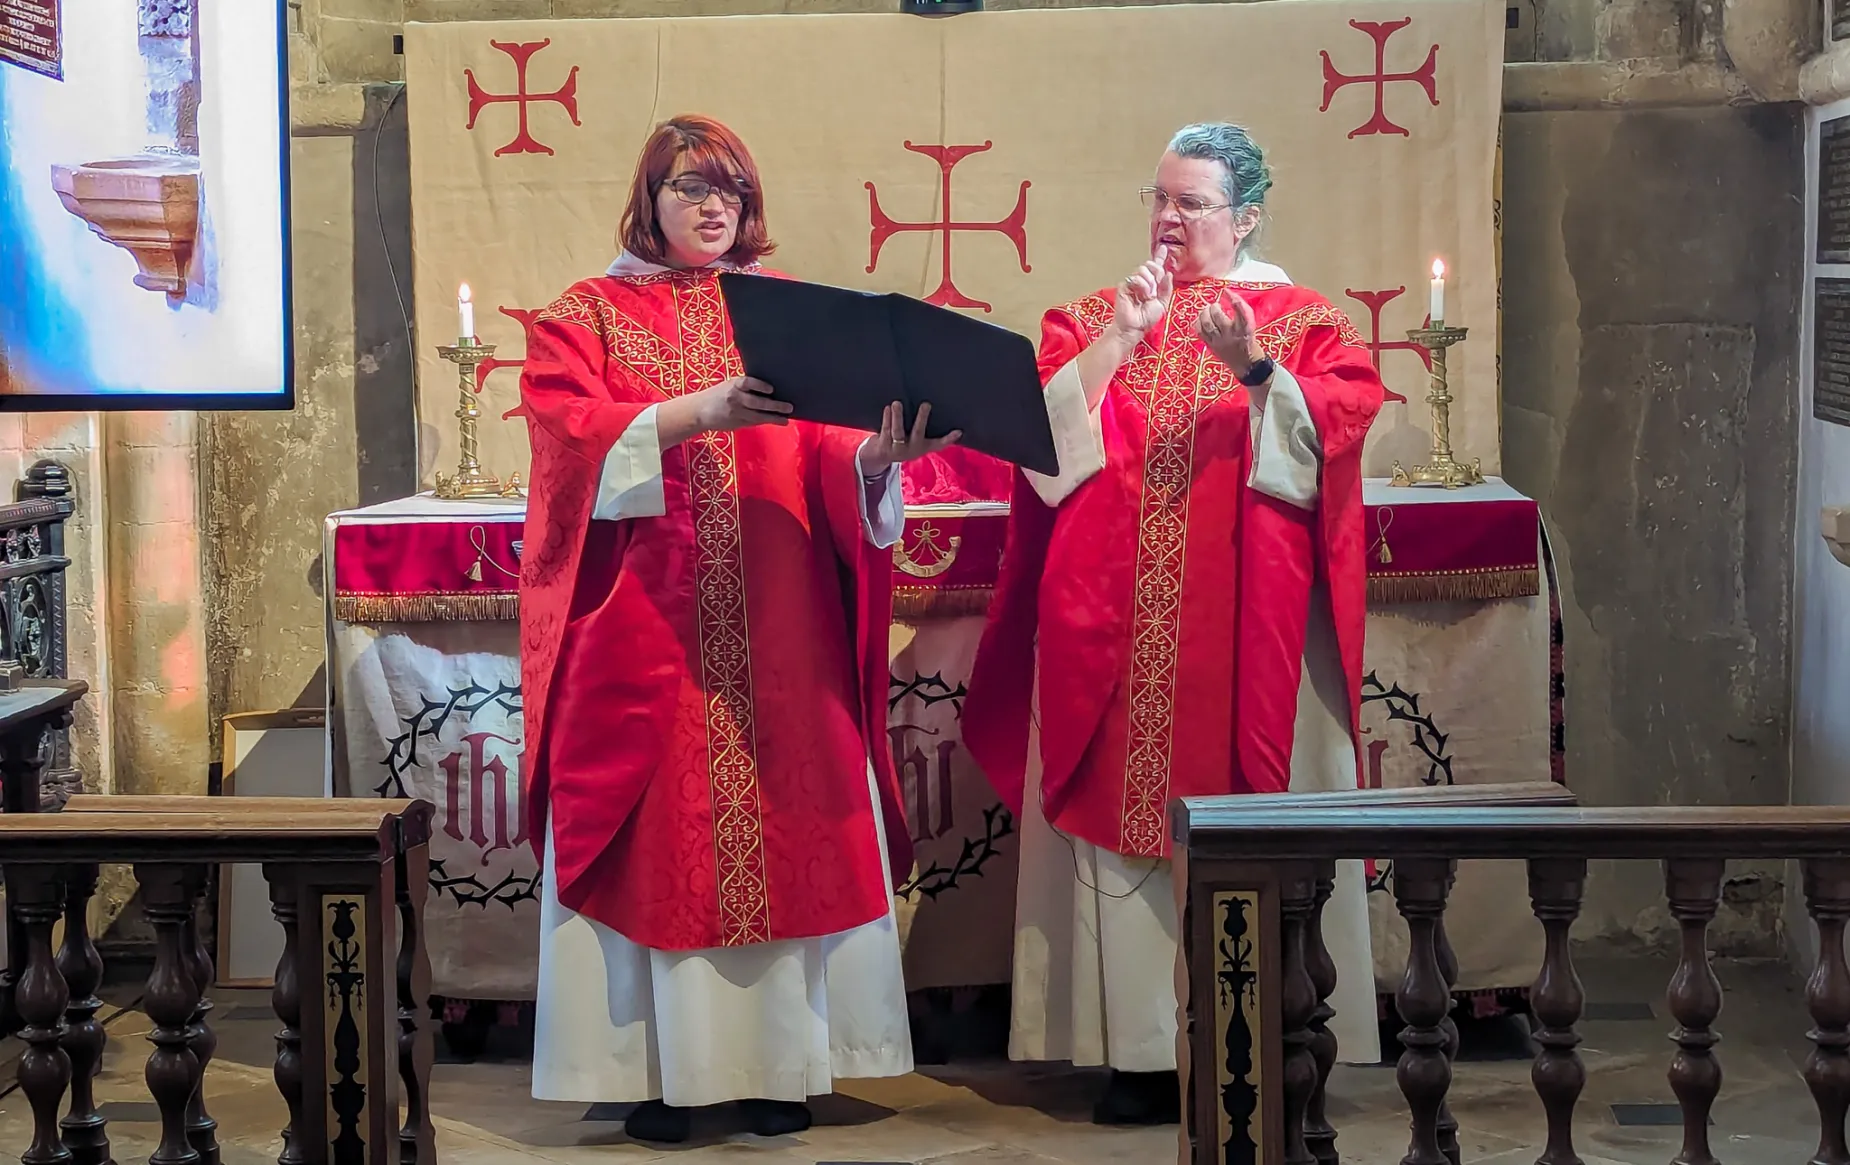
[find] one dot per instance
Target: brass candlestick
(1444, 470)
(470, 479)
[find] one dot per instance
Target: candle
(1438, 292)
(465, 310)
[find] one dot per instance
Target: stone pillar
(156, 674)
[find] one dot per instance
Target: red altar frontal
(1462, 684)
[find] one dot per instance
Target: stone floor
(993, 1113)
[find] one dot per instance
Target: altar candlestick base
(1444, 470)
(470, 480)
(1447, 474)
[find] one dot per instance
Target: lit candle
(1438, 292)
(465, 309)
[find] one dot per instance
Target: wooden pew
(1197, 972)
(1227, 848)
(348, 881)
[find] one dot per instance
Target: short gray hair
(1244, 175)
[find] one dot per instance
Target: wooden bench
(1288, 848)
(1274, 915)
(348, 880)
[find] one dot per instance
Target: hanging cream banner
(988, 162)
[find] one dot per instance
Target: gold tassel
(475, 571)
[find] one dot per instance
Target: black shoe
(775, 1118)
(1140, 1098)
(659, 1123)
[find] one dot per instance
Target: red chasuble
(702, 689)
(1167, 600)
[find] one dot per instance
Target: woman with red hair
(705, 599)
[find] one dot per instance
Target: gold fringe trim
(465, 607)
(911, 604)
(1455, 586)
(914, 604)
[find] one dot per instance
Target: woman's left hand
(892, 445)
(1228, 330)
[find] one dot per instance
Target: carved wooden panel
(1239, 1025)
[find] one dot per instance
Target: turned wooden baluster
(1424, 1073)
(24, 753)
(1556, 886)
(1827, 1069)
(417, 1139)
(86, 1134)
(1448, 971)
(1694, 887)
(286, 1001)
(201, 1129)
(35, 894)
(1297, 998)
(1318, 1132)
(1188, 992)
(10, 1022)
(171, 1000)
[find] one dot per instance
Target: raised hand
(1142, 299)
(1229, 331)
(893, 445)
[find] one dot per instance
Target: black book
(840, 357)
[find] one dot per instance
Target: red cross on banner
(1014, 226)
(1375, 301)
(565, 96)
(1426, 76)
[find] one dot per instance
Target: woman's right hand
(1142, 299)
(738, 403)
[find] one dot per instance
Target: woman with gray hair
(1180, 614)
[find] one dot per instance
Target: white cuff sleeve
(883, 524)
(631, 483)
(1078, 438)
(1287, 456)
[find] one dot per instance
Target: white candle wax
(1438, 291)
(465, 310)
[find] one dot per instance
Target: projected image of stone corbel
(148, 203)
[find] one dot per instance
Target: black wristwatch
(1259, 373)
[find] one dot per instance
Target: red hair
(707, 148)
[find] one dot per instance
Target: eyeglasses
(1187, 205)
(695, 191)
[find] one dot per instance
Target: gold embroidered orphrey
(702, 356)
(1175, 379)
(725, 636)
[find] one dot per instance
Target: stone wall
(1652, 281)
(1652, 277)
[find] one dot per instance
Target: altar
(425, 701)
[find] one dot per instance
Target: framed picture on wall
(266, 754)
